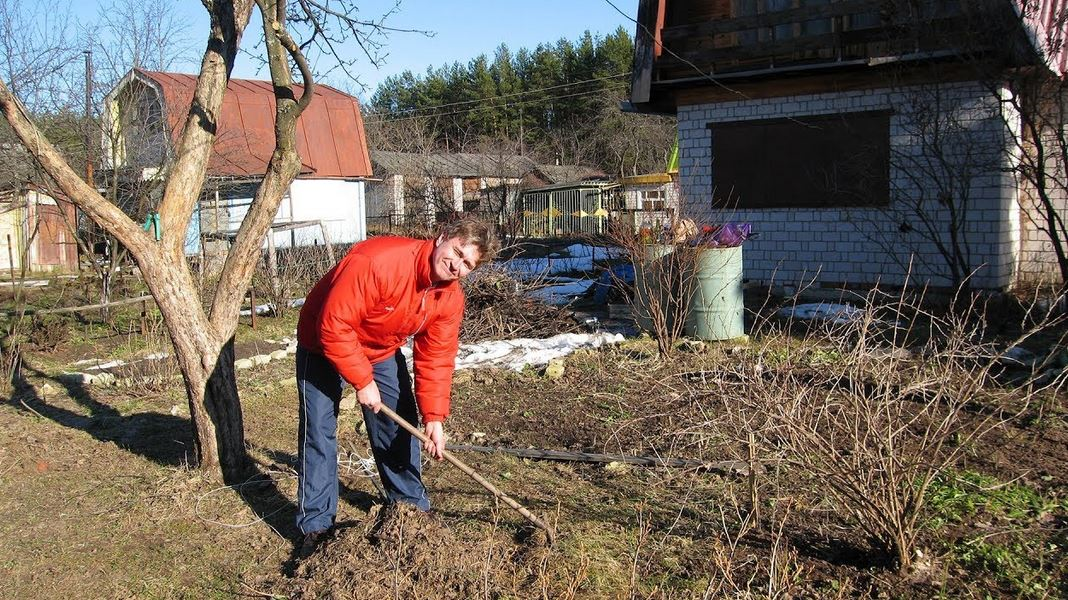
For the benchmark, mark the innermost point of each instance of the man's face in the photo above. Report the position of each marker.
(453, 259)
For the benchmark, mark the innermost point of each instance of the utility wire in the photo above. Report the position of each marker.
(552, 87)
(659, 43)
(493, 107)
(649, 33)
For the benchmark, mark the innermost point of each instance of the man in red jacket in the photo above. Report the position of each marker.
(351, 328)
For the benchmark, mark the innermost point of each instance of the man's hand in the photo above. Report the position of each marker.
(368, 396)
(436, 446)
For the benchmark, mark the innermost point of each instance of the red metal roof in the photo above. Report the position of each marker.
(330, 132)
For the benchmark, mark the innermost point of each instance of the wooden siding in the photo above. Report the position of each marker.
(722, 38)
(720, 44)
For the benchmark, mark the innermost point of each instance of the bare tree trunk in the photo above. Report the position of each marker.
(215, 407)
(206, 360)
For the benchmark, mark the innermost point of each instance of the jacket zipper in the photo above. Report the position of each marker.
(422, 308)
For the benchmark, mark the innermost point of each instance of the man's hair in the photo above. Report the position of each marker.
(477, 232)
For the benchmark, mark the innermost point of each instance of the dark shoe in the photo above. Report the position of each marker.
(311, 541)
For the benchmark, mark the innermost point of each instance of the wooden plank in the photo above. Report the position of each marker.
(74, 309)
(944, 34)
(765, 50)
(770, 19)
(937, 33)
(814, 82)
(891, 14)
(642, 69)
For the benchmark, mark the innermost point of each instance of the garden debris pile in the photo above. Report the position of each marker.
(498, 307)
(400, 552)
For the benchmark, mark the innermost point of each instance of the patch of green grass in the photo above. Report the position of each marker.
(958, 496)
(268, 327)
(134, 345)
(793, 354)
(1017, 554)
(822, 357)
(1018, 565)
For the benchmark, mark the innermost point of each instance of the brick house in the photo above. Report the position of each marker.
(866, 140)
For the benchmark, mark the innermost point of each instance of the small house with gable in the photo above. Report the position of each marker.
(325, 203)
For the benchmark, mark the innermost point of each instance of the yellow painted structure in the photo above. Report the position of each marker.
(11, 234)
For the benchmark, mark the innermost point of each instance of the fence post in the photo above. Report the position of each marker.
(328, 242)
(144, 317)
(252, 304)
(11, 261)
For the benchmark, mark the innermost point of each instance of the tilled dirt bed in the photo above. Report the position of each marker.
(100, 500)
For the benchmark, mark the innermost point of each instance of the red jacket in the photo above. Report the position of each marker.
(366, 307)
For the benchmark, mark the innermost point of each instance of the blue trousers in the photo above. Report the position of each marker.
(396, 451)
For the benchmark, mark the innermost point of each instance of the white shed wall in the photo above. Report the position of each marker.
(339, 204)
(836, 245)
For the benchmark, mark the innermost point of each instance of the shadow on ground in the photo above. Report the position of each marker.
(161, 438)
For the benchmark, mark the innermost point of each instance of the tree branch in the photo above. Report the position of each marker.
(282, 169)
(186, 178)
(82, 194)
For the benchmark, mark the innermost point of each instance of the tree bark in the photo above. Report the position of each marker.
(185, 179)
(203, 341)
(206, 361)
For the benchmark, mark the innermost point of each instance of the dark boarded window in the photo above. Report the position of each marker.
(813, 162)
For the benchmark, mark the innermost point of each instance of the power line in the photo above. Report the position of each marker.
(478, 108)
(672, 53)
(487, 99)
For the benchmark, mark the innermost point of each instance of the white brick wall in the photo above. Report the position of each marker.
(1038, 261)
(836, 245)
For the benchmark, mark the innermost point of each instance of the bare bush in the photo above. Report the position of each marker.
(870, 408)
(47, 332)
(296, 271)
(735, 570)
(499, 307)
(664, 277)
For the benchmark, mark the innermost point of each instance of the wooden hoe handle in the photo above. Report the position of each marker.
(473, 475)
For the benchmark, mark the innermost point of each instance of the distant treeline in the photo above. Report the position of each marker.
(559, 101)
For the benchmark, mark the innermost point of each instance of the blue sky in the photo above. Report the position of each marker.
(463, 29)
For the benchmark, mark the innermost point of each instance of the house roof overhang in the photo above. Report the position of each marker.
(593, 185)
(665, 96)
(670, 54)
(648, 179)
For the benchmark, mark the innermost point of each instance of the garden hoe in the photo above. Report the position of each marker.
(471, 473)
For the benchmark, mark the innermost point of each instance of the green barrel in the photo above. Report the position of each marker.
(716, 310)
